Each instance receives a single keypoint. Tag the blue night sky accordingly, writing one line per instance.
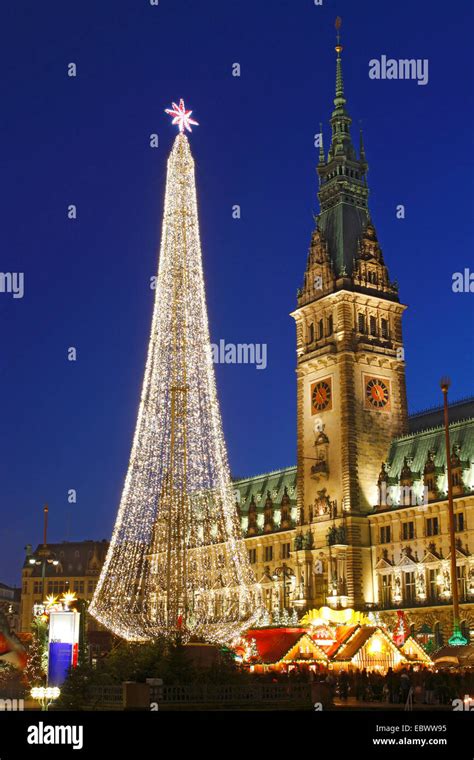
(86, 141)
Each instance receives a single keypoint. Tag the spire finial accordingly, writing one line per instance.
(339, 99)
(339, 48)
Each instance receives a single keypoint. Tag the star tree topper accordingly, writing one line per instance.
(181, 117)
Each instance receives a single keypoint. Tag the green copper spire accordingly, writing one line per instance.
(341, 143)
(344, 246)
(343, 188)
(339, 100)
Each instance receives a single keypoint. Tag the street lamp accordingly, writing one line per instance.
(457, 639)
(43, 562)
(45, 557)
(45, 695)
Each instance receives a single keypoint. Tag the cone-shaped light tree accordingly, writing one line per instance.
(177, 563)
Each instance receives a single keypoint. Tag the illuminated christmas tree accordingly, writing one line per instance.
(177, 565)
(36, 664)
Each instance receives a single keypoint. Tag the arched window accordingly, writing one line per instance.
(311, 333)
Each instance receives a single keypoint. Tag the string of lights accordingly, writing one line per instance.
(177, 561)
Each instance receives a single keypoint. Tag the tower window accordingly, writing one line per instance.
(361, 322)
(330, 325)
(384, 326)
(373, 326)
(311, 333)
(320, 329)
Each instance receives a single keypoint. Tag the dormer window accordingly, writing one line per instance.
(456, 471)
(430, 476)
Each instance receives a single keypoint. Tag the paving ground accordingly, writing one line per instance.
(352, 704)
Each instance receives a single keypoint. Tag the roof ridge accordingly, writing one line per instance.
(265, 474)
(438, 407)
(416, 433)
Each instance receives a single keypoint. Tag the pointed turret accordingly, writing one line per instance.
(343, 190)
(322, 158)
(341, 144)
(344, 251)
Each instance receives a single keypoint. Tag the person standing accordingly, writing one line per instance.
(404, 686)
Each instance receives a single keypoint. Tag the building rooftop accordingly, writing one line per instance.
(275, 482)
(426, 434)
(434, 417)
(75, 558)
(430, 440)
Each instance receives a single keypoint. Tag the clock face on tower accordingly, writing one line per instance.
(377, 393)
(321, 396)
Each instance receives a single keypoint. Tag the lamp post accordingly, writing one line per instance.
(45, 695)
(44, 557)
(457, 639)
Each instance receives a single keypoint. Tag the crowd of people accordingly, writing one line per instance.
(395, 687)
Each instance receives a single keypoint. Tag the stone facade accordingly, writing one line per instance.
(77, 568)
(364, 467)
(397, 555)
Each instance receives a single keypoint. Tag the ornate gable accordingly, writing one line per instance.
(406, 562)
